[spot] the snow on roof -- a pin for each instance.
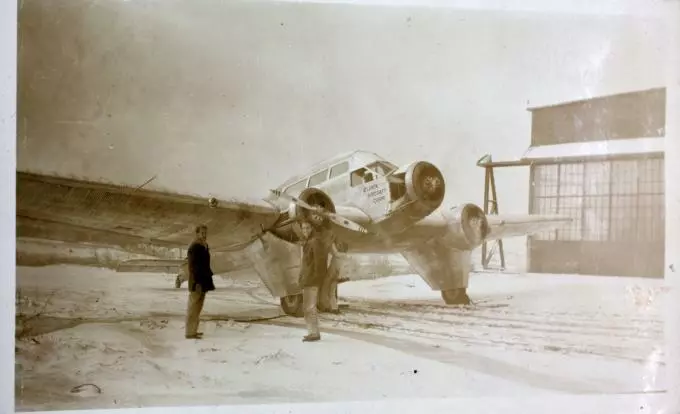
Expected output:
(596, 148)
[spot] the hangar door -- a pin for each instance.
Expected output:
(618, 207)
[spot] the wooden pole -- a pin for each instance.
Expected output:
(487, 170)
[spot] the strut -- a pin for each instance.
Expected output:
(491, 204)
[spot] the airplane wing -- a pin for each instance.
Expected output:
(81, 211)
(504, 226)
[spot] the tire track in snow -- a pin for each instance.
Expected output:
(463, 359)
(503, 328)
(472, 327)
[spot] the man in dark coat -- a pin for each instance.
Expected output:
(200, 281)
(312, 274)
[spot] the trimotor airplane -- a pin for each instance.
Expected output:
(370, 204)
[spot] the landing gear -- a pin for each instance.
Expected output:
(455, 297)
(292, 305)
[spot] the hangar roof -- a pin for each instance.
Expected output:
(635, 146)
(582, 151)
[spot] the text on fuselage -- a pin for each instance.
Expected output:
(375, 193)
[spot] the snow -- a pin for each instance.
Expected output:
(528, 335)
(572, 404)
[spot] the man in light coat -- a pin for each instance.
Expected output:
(313, 272)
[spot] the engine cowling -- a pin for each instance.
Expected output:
(417, 190)
(467, 226)
(314, 197)
(425, 185)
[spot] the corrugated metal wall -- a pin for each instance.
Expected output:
(618, 207)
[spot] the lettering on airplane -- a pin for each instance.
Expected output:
(375, 192)
(371, 187)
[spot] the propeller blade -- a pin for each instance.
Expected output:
(335, 218)
(345, 222)
(295, 200)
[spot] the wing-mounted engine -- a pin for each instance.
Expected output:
(441, 254)
(315, 198)
(467, 227)
(425, 185)
(417, 190)
(316, 206)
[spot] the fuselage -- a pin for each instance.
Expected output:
(345, 180)
(371, 191)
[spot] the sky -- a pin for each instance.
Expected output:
(229, 99)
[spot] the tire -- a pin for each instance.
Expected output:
(455, 297)
(292, 305)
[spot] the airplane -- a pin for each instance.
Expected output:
(371, 205)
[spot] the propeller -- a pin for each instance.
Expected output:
(339, 220)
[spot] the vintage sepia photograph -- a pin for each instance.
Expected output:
(259, 202)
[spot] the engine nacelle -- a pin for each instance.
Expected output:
(467, 227)
(425, 185)
(314, 197)
(417, 191)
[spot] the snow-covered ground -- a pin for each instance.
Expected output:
(528, 335)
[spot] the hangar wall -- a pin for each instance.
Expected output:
(602, 163)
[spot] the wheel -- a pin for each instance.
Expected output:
(324, 306)
(292, 305)
(455, 297)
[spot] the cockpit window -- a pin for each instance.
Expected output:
(382, 168)
(361, 176)
(296, 188)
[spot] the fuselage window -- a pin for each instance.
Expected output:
(339, 169)
(318, 178)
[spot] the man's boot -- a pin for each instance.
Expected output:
(311, 338)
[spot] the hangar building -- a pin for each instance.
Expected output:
(600, 161)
